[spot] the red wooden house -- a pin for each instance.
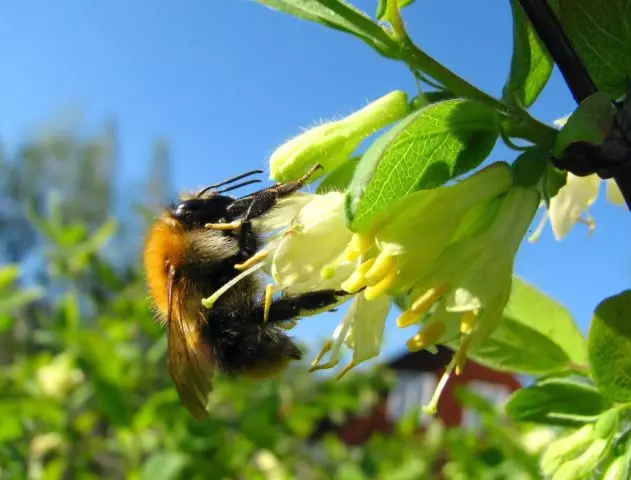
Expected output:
(417, 375)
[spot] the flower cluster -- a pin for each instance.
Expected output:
(450, 250)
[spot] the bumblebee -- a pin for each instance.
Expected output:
(194, 249)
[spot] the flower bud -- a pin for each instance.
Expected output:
(565, 448)
(332, 143)
(618, 469)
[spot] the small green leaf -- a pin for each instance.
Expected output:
(609, 347)
(601, 33)
(557, 401)
(112, 401)
(531, 65)
(338, 15)
(164, 466)
(338, 179)
(530, 166)
(16, 300)
(590, 122)
(384, 6)
(537, 335)
(8, 275)
(424, 150)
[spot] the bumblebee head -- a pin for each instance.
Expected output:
(196, 212)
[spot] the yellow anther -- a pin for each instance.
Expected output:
(382, 266)
(430, 297)
(236, 225)
(354, 283)
(407, 318)
(428, 336)
(325, 349)
(346, 369)
(375, 291)
(461, 354)
(358, 245)
(269, 293)
(365, 266)
(253, 260)
(468, 322)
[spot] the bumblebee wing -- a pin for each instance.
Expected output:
(190, 360)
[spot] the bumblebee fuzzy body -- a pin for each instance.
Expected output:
(186, 262)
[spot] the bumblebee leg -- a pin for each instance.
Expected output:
(290, 307)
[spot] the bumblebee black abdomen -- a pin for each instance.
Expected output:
(242, 344)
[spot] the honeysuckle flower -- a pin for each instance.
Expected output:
(418, 229)
(470, 284)
(315, 237)
(59, 377)
(361, 330)
(572, 202)
(332, 143)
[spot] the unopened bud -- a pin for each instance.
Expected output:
(332, 143)
(618, 469)
(565, 448)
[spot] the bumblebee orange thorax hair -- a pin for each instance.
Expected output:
(165, 246)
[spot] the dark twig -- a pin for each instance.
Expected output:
(613, 158)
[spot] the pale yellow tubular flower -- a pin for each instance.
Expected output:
(361, 330)
(471, 283)
(333, 143)
(315, 237)
(614, 195)
(419, 228)
(571, 204)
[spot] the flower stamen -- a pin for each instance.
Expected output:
(375, 291)
(422, 304)
(468, 322)
(254, 259)
(428, 336)
(381, 267)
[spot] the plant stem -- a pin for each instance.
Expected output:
(530, 128)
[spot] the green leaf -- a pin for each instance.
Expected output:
(112, 401)
(557, 401)
(8, 275)
(426, 149)
(601, 33)
(531, 65)
(530, 166)
(338, 179)
(16, 300)
(537, 335)
(163, 466)
(384, 6)
(609, 346)
(338, 15)
(590, 122)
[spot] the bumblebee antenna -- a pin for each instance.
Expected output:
(229, 181)
(239, 185)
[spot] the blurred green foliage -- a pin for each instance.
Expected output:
(85, 390)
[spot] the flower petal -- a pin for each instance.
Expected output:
(572, 200)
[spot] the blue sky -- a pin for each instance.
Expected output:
(227, 85)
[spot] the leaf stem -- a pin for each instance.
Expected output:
(529, 128)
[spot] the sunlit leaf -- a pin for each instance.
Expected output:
(425, 150)
(601, 33)
(163, 466)
(609, 347)
(557, 401)
(536, 335)
(339, 15)
(531, 64)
